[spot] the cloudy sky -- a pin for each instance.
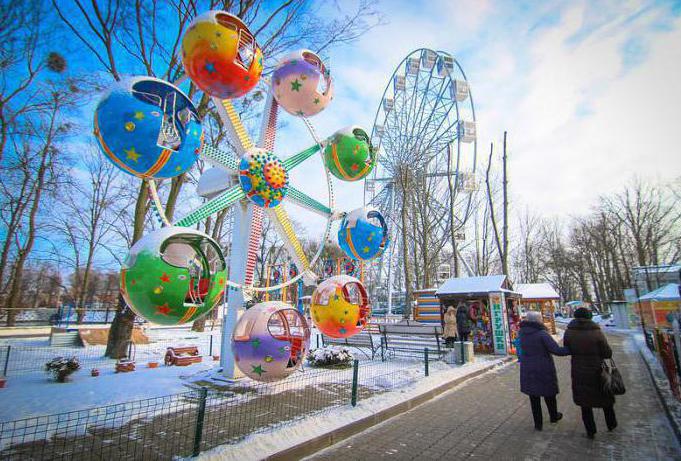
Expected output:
(590, 92)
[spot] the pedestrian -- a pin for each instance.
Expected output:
(463, 322)
(450, 330)
(589, 348)
(538, 376)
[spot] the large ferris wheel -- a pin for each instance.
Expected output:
(426, 131)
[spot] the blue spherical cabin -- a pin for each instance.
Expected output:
(363, 234)
(148, 128)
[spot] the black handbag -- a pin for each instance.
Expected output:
(611, 379)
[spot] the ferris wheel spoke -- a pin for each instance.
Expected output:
(235, 129)
(293, 161)
(305, 201)
(220, 158)
(282, 222)
(222, 201)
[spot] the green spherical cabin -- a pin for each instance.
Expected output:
(173, 275)
(349, 154)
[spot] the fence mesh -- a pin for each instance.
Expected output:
(217, 412)
(23, 359)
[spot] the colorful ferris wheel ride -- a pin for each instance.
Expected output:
(150, 129)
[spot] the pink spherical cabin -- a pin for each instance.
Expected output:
(302, 85)
(270, 341)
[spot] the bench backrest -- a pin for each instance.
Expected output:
(420, 330)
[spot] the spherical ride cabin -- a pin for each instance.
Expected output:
(270, 341)
(173, 276)
(363, 234)
(349, 155)
(302, 84)
(221, 56)
(148, 128)
(263, 177)
(340, 306)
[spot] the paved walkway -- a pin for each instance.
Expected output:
(488, 418)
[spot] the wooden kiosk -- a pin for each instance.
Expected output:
(540, 297)
(491, 301)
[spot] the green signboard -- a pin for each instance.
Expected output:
(498, 324)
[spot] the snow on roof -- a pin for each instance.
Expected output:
(463, 285)
(536, 291)
(669, 291)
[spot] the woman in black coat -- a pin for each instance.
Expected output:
(589, 347)
(537, 371)
(463, 322)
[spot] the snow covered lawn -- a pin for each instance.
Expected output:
(36, 394)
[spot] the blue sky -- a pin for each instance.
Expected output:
(590, 92)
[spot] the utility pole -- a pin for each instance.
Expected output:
(504, 261)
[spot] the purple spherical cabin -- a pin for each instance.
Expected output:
(270, 341)
(302, 84)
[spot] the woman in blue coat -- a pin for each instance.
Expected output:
(537, 371)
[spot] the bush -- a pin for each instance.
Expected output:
(62, 367)
(330, 356)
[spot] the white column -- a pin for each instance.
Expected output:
(243, 214)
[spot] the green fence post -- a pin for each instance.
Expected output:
(203, 394)
(4, 373)
(425, 357)
(211, 345)
(463, 355)
(355, 376)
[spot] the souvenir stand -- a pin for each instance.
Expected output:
(656, 306)
(540, 297)
(487, 300)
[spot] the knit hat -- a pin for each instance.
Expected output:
(534, 316)
(583, 313)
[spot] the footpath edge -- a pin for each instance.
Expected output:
(320, 442)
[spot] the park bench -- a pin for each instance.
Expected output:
(182, 356)
(410, 339)
(366, 339)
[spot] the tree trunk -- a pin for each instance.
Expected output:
(120, 332)
(121, 326)
(199, 324)
(405, 254)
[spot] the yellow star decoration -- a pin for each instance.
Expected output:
(365, 249)
(132, 154)
(178, 168)
(139, 115)
(129, 126)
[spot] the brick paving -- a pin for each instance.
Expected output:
(488, 418)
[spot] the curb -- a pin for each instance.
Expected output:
(318, 443)
(661, 396)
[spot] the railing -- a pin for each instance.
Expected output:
(20, 359)
(185, 424)
(669, 358)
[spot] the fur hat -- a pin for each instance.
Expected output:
(534, 316)
(583, 313)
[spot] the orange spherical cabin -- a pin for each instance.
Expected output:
(340, 307)
(221, 55)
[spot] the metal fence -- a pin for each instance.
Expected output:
(188, 423)
(669, 358)
(17, 359)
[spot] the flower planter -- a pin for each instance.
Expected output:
(216, 358)
(152, 364)
(2, 382)
(94, 372)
